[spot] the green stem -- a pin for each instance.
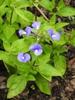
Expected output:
(35, 14)
(11, 17)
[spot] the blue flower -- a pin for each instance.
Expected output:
(23, 57)
(21, 32)
(27, 31)
(36, 25)
(37, 48)
(54, 36)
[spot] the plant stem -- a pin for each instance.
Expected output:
(35, 15)
(11, 17)
(41, 13)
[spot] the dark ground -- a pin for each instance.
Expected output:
(62, 89)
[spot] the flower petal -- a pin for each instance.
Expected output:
(21, 32)
(28, 30)
(36, 25)
(26, 57)
(20, 55)
(35, 46)
(38, 52)
(50, 31)
(56, 36)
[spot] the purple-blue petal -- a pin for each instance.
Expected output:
(56, 36)
(21, 32)
(50, 31)
(27, 57)
(35, 46)
(28, 30)
(36, 25)
(20, 55)
(38, 52)
(60, 32)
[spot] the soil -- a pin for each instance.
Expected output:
(62, 89)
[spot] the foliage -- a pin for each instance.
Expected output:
(32, 47)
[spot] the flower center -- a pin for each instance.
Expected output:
(22, 57)
(36, 50)
(24, 32)
(37, 27)
(53, 35)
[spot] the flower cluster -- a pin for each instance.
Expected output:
(28, 29)
(36, 48)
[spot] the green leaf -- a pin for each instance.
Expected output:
(17, 86)
(42, 84)
(8, 30)
(72, 42)
(1, 2)
(72, 34)
(6, 58)
(22, 4)
(60, 25)
(53, 19)
(16, 26)
(29, 15)
(60, 63)
(1, 26)
(47, 4)
(13, 38)
(30, 77)
(42, 59)
(23, 68)
(10, 80)
(14, 17)
(48, 70)
(60, 4)
(66, 11)
(20, 45)
(22, 13)
(2, 10)
(6, 44)
(67, 37)
(47, 49)
(1, 21)
(47, 77)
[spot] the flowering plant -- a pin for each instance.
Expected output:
(32, 47)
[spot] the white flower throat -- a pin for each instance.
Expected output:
(22, 57)
(53, 35)
(36, 50)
